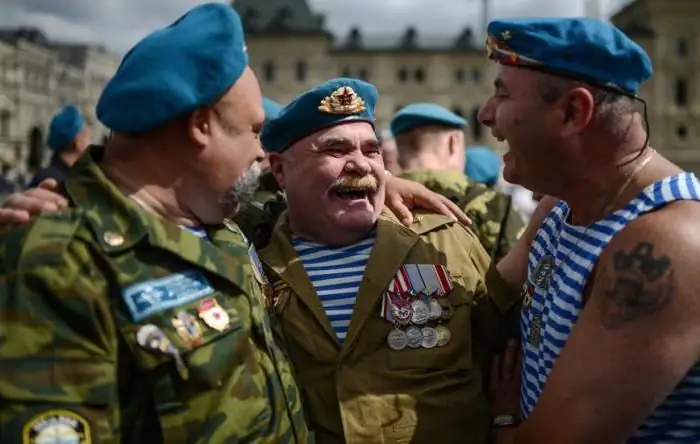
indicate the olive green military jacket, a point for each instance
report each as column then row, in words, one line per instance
column 496, row 222
column 117, row 326
column 365, row 392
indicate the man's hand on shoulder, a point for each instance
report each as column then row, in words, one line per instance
column 19, row 208
column 636, row 338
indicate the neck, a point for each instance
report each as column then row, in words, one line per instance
column 605, row 189
column 329, row 237
column 146, row 181
column 423, row 162
column 69, row 157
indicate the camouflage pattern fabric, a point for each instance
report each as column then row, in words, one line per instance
column 119, row 326
column 362, row 391
column 257, row 219
column 496, row 222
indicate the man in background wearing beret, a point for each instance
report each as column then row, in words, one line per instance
column 135, row 315
column 69, row 136
column 431, row 147
column 610, row 331
column 388, row 327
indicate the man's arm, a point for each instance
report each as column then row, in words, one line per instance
column 635, row 340
column 57, row 348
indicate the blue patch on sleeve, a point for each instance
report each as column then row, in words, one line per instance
column 149, row 297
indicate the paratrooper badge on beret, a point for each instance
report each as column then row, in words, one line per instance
column 343, row 100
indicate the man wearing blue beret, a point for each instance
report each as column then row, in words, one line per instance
column 430, row 140
column 610, row 331
column 388, row 326
column 69, row 136
column 136, row 315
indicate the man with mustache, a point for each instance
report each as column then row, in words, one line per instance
column 388, row 326
column 430, row 140
column 136, row 314
column 610, row 331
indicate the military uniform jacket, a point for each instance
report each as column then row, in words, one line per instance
column 496, row 222
column 257, row 219
column 365, row 392
column 119, row 326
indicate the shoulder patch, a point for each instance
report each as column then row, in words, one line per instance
column 57, row 426
column 43, row 241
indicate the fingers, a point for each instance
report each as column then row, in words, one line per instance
column 49, row 184
column 456, row 211
column 13, row 217
column 400, row 210
column 20, row 207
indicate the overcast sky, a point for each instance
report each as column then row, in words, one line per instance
column 118, row 24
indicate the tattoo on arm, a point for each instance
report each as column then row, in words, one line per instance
column 637, row 285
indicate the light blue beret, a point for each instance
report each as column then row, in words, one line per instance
column 272, row 108
column 176, row 70
column 483, row 165
column 332, row 103
column 64, row 127
column 418, row 115
column 585, row 49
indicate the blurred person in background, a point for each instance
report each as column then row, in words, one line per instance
column 431, row 146
column 69, row 136
column 483, row 165
column 390, row 153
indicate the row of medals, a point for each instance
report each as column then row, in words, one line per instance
column 418, row 324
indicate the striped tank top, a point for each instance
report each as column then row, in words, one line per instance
column 572, row 252
column 336, row 274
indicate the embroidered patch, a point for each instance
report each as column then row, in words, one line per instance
column 56, row 427
column 149, row 297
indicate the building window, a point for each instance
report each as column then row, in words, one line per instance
column 682, row 132
column 682, row 47
column 681, row 92
column 476, row 75
column 477, row 130
column 346, row 72
column 459, row 76
column 363, row 74
column 5, row 123
column 301, row 71
column 402, row 75
column 269, row 71
column 419, row 75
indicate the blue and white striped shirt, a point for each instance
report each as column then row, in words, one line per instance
column 575, row 251
column 336, row 273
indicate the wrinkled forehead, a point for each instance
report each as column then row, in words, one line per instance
column 347, row 136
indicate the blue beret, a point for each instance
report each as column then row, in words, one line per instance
column 418, row 115
column 584, row 49
column 331, row 103
column 272, row 108
column 483, row 165
column 176, row 70
column 64, row 127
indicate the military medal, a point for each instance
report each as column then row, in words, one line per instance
column 443, row 335
column 430, row 339
column 213, row 315
column 414, row 337
column 401, row 310
column 435, row 310
column 397, row 339
column 527, row 294
column 153, row 339
column 188, row 328
column 447, row 309
column 421, row 312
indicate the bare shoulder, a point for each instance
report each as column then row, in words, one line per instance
column 648, row 270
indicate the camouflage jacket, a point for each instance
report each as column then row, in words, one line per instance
column 119, row 326
column 495, row 220
column 257, row 219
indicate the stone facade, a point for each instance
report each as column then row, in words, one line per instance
column 291, row 50
column 38, row 78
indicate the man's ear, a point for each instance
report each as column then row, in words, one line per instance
column 277, row 168
column 199, row 126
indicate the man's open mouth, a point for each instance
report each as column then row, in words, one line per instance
column 353, row 193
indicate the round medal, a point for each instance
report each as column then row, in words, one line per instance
column 435, row 310
column 430, row 338
column 443, row 335
column 397, row 339
column 421, row 312
column 414, row 337
column 447, row 309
